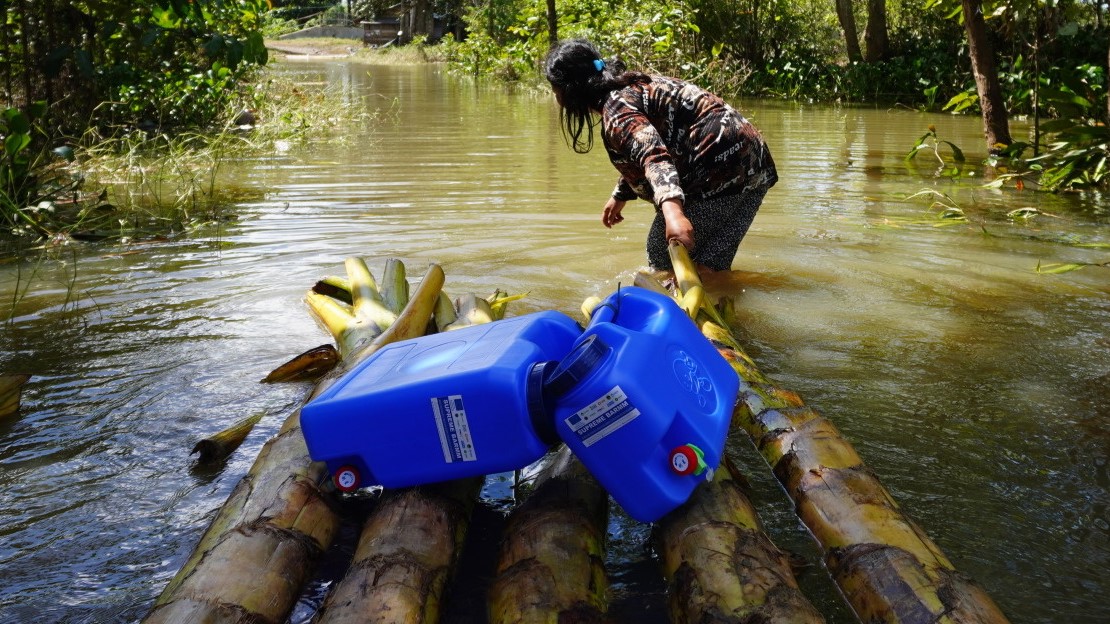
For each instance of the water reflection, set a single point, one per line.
(975, 387)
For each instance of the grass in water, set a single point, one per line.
(160, 183)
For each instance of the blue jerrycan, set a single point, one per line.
(644, 400)
(443, 406)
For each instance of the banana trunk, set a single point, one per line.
(550, 568)
(885, 565)
(721, 566)
(255, 558)
(405, 556)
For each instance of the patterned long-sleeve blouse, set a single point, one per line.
(670, 139)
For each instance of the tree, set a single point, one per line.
(996, 123)
(848, 25)
(552, 23)
(877, 43)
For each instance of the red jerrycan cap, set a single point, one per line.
(687, 460)
(347, 479)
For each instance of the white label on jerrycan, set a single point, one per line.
(604, 416)
(454, 431)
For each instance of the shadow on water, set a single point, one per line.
(975, 387)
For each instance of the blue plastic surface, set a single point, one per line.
(442, 406)
(643, 382)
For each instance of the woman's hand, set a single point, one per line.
(679, 227)
(611, 214)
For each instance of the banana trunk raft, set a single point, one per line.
(263, 548)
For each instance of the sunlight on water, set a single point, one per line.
(975, 387)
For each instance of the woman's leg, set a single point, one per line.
(719, 226)
(659, 257)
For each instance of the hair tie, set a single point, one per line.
(599, 64)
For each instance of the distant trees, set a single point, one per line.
(117, 62)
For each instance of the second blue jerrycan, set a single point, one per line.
(645, 401)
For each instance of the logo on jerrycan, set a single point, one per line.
(691, 377)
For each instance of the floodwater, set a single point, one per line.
(976, 388)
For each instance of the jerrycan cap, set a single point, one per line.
(576, 366)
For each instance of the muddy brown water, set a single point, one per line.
(975, 387)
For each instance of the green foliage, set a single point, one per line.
(508, 40)
(32, 179)
(164, 63)
(118, 67)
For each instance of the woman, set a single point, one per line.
(703, 165)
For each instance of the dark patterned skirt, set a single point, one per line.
(719, 224)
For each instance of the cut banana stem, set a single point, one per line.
(11, 390)
(588, 307)
(366, 298)
(335, 315)
(395, 286)
(472, 310)
(334, 286)
(351, 332)
(685, 274)
(692, 301)
(308, 366)
(219, 445)
(261, 548)
(445, 312)
(413, 320)
(551, 565)
(687, 279)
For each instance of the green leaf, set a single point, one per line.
(37, 110)
(960, 99)
(165, 18)
(214, 46)
(17, 122)
(16, 143)
(254, 49)
(957, 153)
(234, 53)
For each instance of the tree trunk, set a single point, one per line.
(875, 38)
(255, 558)
(552, 23)
(996, 125)
(848, 25)
(551, 566)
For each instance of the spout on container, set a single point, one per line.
(541, 402)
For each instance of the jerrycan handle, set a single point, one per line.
(606, 311)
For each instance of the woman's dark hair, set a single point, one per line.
(575, 68)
